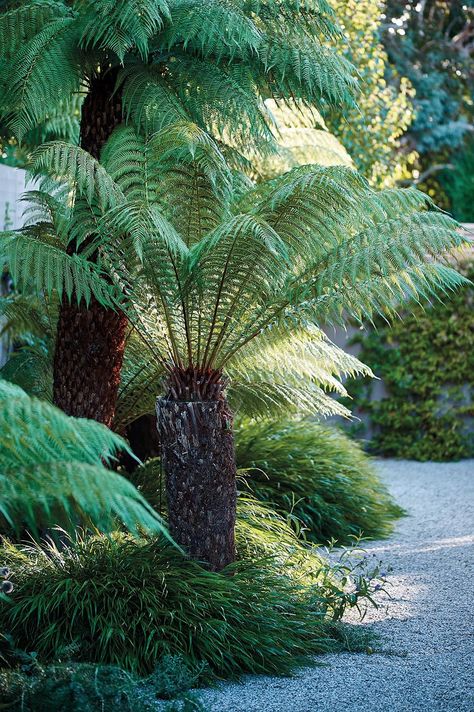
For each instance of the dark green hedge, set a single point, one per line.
(426, 361)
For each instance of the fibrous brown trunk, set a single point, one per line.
(91, 340)
(197, 449)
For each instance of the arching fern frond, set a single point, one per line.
(301, 67)
(213, 29)
(35, 258)
(121, 25)
(21, 24)
(33, 90)
(51, 470)
(24, 316)
(148, 100)
(222, 98)
(291, 373)
(185, 141)
(86, 175)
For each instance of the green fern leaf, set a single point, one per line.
(51, 470)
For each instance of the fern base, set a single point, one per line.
(198, 458)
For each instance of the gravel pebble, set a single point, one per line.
(426, 655)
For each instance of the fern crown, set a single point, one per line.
(217, 274)
(212, 63)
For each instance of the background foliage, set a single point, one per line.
(432, 44)
(426, 362)
(384, 108)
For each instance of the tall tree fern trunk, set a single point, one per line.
(91, 341)
(197, 448)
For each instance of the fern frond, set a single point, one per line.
(140, 381)
(33, 90)
(51, 469)
(70, 163)
(21, 24)
(237, 266)
(302, 139)
(149, 235)
(186, 141)
(23, 316)
(30, 367)
(302, 67)
(35, 257)
(214, 29)
(129, 162)
(148, 100)
(121, 25)
(291, 373)
(223, 99)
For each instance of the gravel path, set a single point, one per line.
(427, 658)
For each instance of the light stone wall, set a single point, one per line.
(12, 186)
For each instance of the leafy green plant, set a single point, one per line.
(53, 470)
(84, 687)
(215, 275)
(130, 602)
(316, 476)
(427, 368)
(155, 63)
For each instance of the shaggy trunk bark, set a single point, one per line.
(197, 449)
(91, 341)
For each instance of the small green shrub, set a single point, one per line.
(129, 603)
(426, 363)
(84, 687)
(316, 476)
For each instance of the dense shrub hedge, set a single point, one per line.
(426, 362)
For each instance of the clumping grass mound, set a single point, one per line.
(318, 476)
(126, 602)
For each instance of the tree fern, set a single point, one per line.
(51, 469)
(211, 63)
(313, 247)
(204, 277)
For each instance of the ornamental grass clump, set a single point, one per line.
(129, 602)
(317, 477)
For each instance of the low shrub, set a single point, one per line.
(316, 476)
(126, 602)
(84, 687)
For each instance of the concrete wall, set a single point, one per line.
(12, 186)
